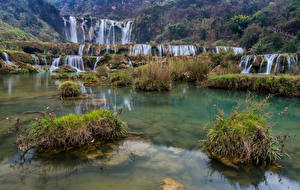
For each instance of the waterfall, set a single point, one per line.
(204, 50)
(80, 50)
(129, 62)
(88, 50)
(141, 49)
(277, 66)
(6, 59)
(55, 64)
(270, 59)
(73, 29)
(83, 32)
(66, 29)
(75, 62)
(244, 63)
(95, 65)
(182, 50)
(161, 50)
(45, 60)
(102, 32)
(126, 33)
(36, 62)
(236, 50)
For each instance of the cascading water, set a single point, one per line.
(88, 49)
(36, 62)
(45, 60)
(161, 50)
(95, 65)
(182, 50)
(141, 49)
(75, 62)
(130, 62)
(126, 32)
(244, 63)
(73, 29)
(236, 50)
(82, 31)
(6, 59)
(270, 60)
(80, 50)
(277, 66)
(55, 64)
(104, 31)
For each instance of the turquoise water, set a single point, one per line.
(173, 124)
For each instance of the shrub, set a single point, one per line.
(51, 132)
(244, 137)
(121, 79)
(284, 85)
(154, 77)
(238, 23)
(190, 69)
(69, 89)
(251, 36)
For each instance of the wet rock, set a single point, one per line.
(170, 184)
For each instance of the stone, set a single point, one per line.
(170, 184)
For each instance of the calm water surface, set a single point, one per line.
(173, 124)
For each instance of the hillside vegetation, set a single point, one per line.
(9, 33)
(259, 25)
(35, 17)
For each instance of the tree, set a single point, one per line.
(238, 23)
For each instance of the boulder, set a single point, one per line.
(170, 184)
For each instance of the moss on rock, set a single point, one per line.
(69, 89)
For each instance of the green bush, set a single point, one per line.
(121, 79)
(69, 89)
(238, 23)
(63, 133)
(154, 77)
(284, 85)
(244, 137)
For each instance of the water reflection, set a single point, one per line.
(173, 123)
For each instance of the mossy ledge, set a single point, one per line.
(51, 133)
(244, 138)
(283, 85)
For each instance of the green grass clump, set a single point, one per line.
(244, 137)
(69, 89)
(189, 69)
(74, 130)
(121, 79)
(154, 77)
(283, 85)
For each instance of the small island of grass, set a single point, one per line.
(74, 130)
(244, 138)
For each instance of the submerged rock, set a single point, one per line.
(170, 184)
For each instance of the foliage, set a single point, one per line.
(238, 23)
(154, 77)
(284, 85)
(121, 79)
(251, 36)
(69, 89)
(190, 69)
(244, 137)
(74, 130)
